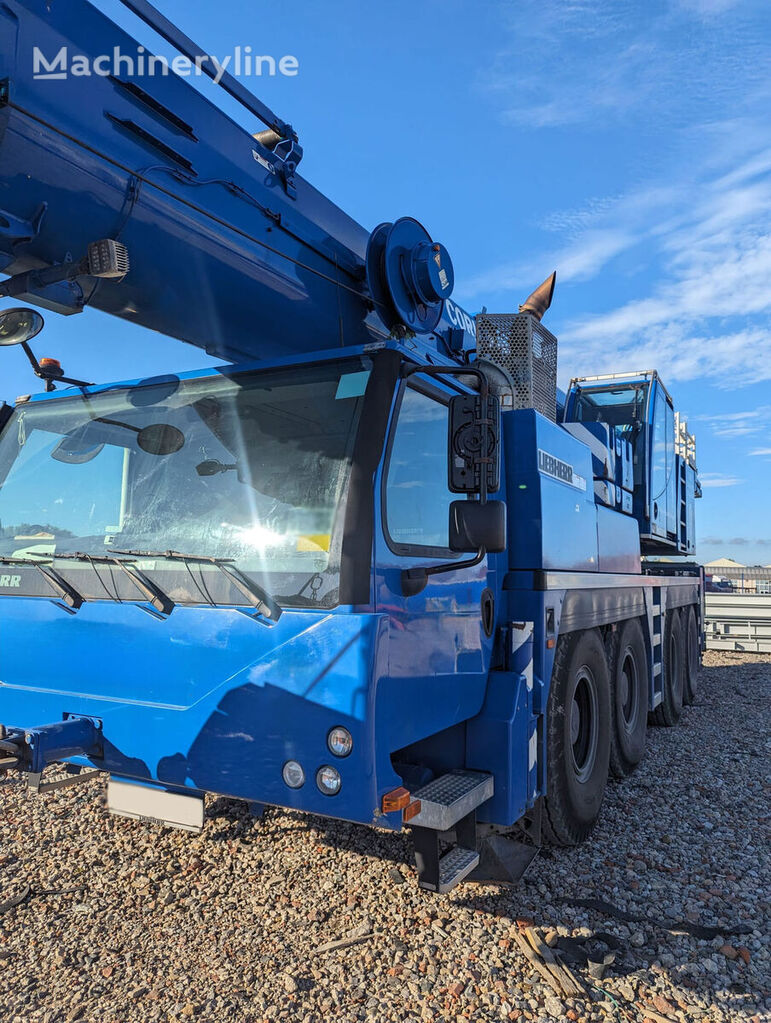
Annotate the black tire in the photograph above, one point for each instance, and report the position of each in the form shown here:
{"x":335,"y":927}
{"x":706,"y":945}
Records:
{"x":673,"y":673}
{"x":692,"y":656}
{"x":628,"y":699}
{"x":577,"y":738}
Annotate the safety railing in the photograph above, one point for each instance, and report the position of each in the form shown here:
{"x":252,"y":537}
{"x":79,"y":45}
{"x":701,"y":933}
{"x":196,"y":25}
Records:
{"x":735,"y":621}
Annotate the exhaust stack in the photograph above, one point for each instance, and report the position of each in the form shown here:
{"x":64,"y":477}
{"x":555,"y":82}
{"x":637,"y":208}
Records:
{"x":519,"y":344}
{"x":540,"y":300}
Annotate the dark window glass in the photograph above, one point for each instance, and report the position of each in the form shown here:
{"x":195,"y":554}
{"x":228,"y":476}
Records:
{"x":417,"y":497}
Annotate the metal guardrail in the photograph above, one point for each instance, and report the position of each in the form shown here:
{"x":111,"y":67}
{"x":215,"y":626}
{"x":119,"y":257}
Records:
{"x":735,"y":621}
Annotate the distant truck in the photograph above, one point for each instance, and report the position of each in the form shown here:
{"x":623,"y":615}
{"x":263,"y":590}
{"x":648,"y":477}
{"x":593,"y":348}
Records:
{"x":713,"y":584}
{"x":376,"y":567}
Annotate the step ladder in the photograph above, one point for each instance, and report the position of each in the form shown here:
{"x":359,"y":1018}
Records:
{"x":657,"y":660}
{"x":444,"y":832}
{"x":683,"y":507}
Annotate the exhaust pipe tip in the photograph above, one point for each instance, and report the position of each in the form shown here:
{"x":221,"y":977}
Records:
{"x":539,"y":301}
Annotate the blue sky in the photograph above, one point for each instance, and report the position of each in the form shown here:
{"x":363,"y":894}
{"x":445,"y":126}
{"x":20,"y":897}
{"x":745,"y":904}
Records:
{"x":627,"y":145}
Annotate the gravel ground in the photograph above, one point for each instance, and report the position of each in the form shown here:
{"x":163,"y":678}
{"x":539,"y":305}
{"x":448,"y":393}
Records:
{"x":228,"y":925}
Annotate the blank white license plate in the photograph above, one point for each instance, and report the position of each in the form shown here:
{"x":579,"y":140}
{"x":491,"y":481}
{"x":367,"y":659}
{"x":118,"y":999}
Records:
{"x":155,"y":806}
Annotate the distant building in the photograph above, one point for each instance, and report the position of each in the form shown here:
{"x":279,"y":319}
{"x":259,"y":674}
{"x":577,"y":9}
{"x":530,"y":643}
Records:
{"x":728,"y":575}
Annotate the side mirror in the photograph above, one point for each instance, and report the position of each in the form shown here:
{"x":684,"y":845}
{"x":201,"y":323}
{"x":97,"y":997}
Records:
{"x":17,"y":326}
{"x":474,"y":444}
{"x":474,"y":525}
{"x":76,"y":448}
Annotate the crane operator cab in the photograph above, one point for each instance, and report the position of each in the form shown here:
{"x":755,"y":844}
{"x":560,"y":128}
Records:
{"x":637,"y":410}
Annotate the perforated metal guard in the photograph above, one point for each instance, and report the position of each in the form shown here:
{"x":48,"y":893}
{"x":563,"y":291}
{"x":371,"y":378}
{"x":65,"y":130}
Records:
{"x":520,"y":344}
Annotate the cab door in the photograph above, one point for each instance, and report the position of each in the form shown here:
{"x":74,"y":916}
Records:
{"x":663,"y":494}
{"x":439,"y":649}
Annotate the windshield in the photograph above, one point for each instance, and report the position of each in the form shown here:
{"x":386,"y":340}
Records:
{"x":617,"y":406}
{"x":621,"y":407}
{"x":251,"y":467}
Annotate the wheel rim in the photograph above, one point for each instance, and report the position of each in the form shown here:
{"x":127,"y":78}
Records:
{"x":627,"y":691}
{"x":583,"y":725}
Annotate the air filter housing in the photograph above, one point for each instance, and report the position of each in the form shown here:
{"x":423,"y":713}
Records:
{"x":520,"y":344}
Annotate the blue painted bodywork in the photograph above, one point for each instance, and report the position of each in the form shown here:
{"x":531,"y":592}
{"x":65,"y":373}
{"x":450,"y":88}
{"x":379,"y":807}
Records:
{"x":209,"y":699}
{"x":552,"y":522}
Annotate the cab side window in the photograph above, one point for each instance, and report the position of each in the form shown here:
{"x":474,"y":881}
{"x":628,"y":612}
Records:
{"x":416,"y":495}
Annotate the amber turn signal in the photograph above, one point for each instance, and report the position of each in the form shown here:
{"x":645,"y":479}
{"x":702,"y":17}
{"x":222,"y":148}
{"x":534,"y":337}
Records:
{"x":396,"y":799}
{"x":411,"y":811}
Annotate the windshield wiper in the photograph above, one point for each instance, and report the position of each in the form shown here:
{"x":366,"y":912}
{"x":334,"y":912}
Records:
{"x":161,"y":601}
{"x":258,"y":597}
{"x":66,"y":591}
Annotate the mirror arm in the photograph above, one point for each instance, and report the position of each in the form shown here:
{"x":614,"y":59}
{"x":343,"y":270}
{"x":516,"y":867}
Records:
{"x":50,"y":378}
{"x":414,"y":580}
{"x":459,"y":371}
{"x":31,"y":356}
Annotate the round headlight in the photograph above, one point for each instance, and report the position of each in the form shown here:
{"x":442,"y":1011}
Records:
{"x":293,"y":774}
{"x":328,"y":780}
{"x":340,"y":742}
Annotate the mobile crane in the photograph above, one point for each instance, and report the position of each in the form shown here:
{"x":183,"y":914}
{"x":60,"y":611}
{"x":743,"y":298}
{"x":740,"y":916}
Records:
{"x":377,"y":566}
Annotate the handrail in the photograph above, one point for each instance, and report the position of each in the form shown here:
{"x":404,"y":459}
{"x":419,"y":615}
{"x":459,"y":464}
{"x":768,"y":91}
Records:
{"x":168,"y":31}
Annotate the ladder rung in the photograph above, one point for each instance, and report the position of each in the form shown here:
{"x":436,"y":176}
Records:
{"x":454,"y":866}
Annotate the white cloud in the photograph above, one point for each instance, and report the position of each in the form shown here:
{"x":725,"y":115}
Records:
{"x":571,"y":223}
{"x":594,"y":62}
{"x":708,"y":8}
{"x":716,"y":479}
{"x":577,"y":262}
{"x":739,"y":424}
{"x":717,"y":264}
{"x":726,"y":360}
{"x":708,"y":243}
{"x":699,"y":234}
{"x":761,"y":451}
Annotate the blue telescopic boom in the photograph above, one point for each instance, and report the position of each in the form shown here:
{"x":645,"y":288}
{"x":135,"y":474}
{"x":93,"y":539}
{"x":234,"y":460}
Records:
{"x":231,"y":250}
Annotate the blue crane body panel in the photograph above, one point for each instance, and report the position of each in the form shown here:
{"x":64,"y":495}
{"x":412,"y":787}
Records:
{"x":345,"y":573}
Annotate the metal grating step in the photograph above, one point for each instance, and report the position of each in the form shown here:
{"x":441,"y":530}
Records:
{"x":447,"y":799}
{"x":454,"y":866}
